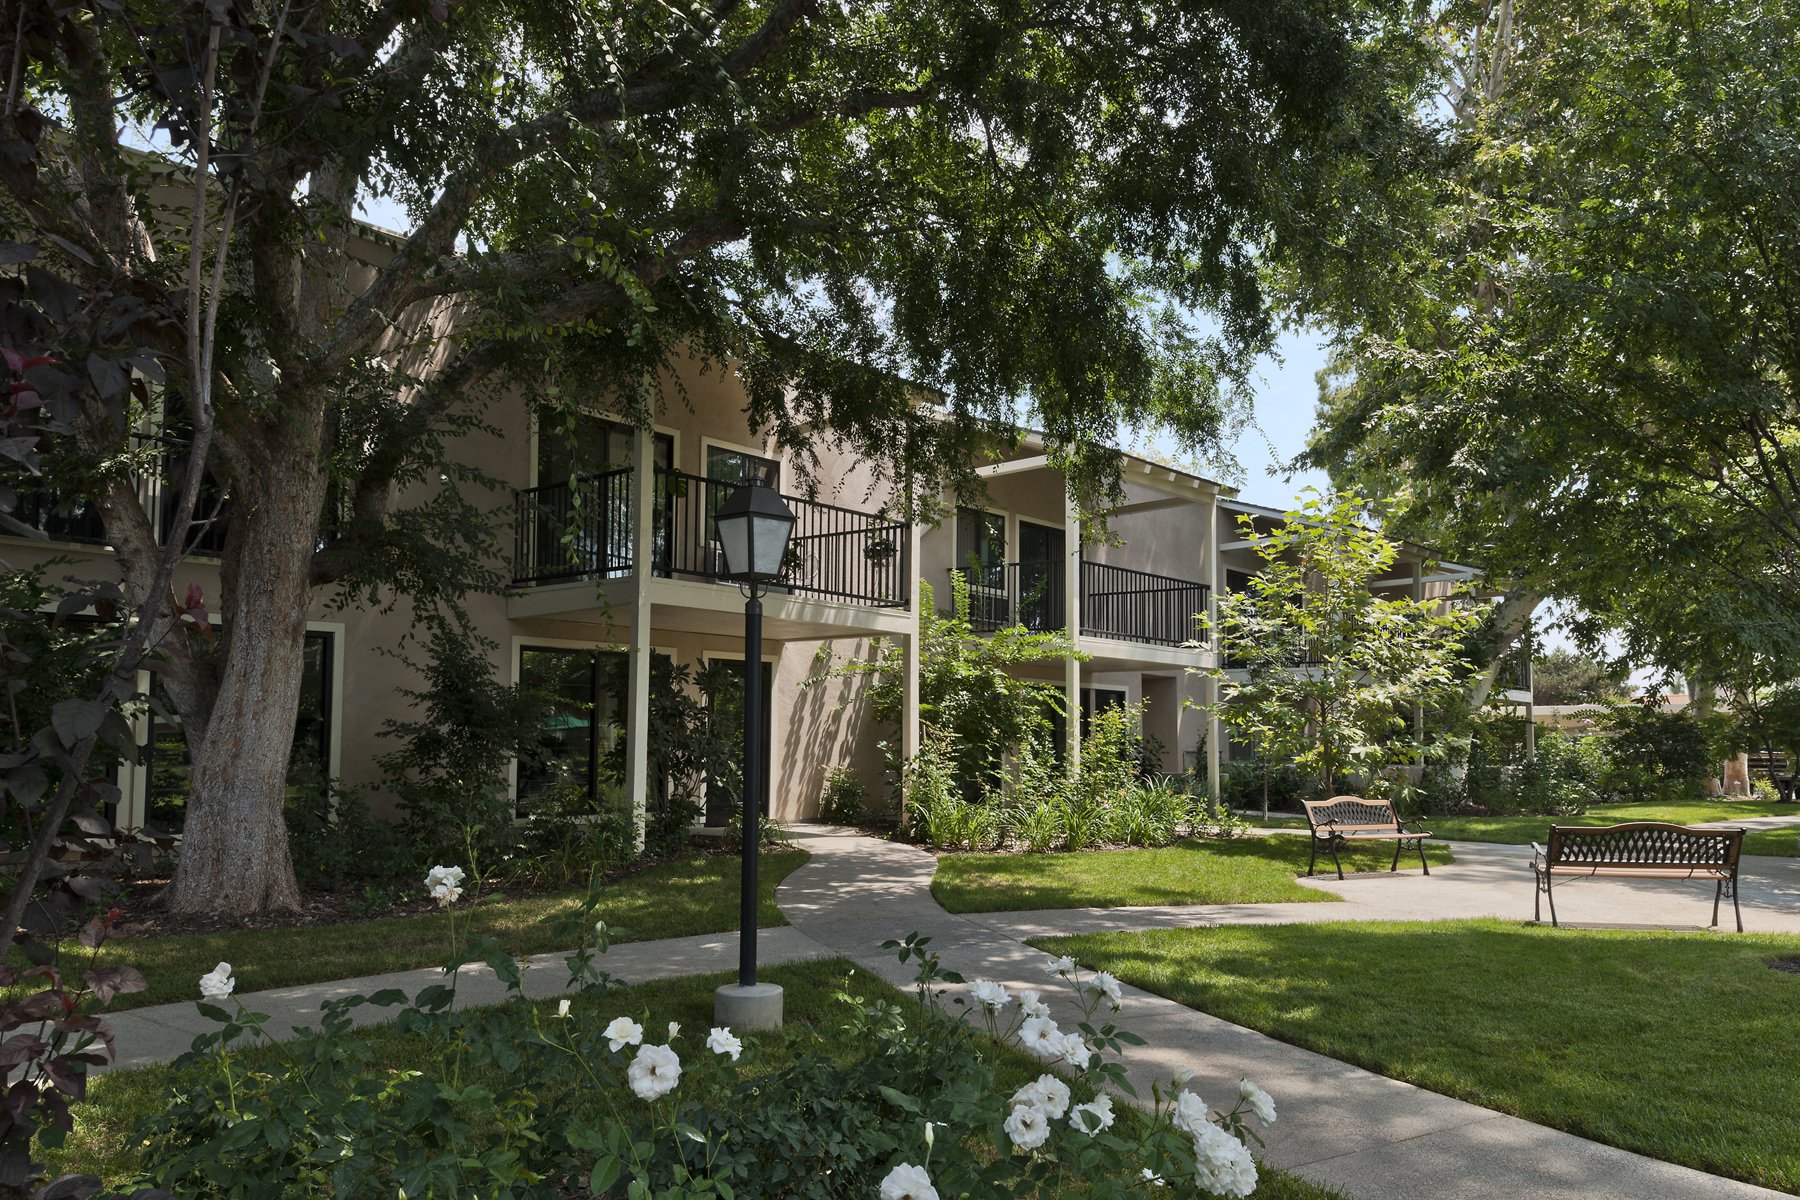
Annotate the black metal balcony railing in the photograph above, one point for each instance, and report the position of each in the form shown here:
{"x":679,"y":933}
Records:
{"x":68,"y":515}
{"x":1515,"y":673}
{"x":1116,"y":602}
{"x":1137,"y":606}
{"x":584,"y":529}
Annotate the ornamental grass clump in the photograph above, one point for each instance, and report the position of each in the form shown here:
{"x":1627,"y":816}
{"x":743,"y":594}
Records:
{"x":547,"y":1101}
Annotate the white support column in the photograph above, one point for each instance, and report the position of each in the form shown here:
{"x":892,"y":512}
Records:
{"x":909,"y":716}
{"x":1530,"y":731}
{"x":1212,"y":572}
{"x":1418,"y":593}
{"x":1072,"y":609}
{"x":637,"y":719}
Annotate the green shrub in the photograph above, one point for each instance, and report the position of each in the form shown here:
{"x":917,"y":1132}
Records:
{"x":1241,"y":785}
{"x":569,"y":833}
{"x":450,"y":771}
{"x":845,"y":800}
{"x":1151,"y":813}
{"x":520,"y":1101}
{"x":1035,"y":823}
{"x":1654,"y":755}
{"x":936,"y":812}
{"x":1562,"y":779}
{"x":332,"y":838}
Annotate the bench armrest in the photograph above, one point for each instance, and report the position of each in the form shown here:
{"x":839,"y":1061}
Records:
{"x":1539,"y":857}
{"x":1324,"y":826}
{"x":1417,"y":826}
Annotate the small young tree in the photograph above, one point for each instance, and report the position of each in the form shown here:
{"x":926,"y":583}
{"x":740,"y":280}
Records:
{"x":1323,"y":670}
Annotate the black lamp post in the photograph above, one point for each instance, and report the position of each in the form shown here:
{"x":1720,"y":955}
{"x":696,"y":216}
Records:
{"x":754,"y":526}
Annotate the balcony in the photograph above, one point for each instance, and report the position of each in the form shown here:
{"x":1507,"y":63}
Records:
{"x":67,"y":515}
{"x":1119,"y":603}
{"x":584,"y":529}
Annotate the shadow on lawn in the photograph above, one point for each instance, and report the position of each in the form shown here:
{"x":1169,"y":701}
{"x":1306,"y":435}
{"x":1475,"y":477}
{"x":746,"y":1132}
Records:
{"x":1672,"y":1045}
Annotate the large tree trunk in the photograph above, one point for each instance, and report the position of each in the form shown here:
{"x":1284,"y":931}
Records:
{"x":234,"y":853}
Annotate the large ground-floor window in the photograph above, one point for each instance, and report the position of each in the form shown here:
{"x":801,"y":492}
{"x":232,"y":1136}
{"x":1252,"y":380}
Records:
{"x":167,"y":771}
{"x":582,"y":743}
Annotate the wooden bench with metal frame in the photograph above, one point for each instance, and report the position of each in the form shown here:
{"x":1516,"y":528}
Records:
{"x":1344,"y":819}
{"x":1639,"y":850}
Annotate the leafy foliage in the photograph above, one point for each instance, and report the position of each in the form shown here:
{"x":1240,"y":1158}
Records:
{"x":1653,"y":754}
{"x":1567,"y":676}
{"x":969,"y":691}
{"x":1325,"y":671}
{"x":1005,"y":210}
{"x":1583,"y":376}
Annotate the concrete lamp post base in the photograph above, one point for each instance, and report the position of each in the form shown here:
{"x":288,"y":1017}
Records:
{"x":753,"y":1009}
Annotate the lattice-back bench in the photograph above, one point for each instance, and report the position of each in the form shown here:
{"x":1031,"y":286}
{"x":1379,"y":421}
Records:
{"x":1344,"y":819}
{"x":1639,"y":850}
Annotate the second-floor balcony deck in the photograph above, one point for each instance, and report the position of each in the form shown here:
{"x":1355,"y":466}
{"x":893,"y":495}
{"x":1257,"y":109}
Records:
{"x":157,"y":462}
{"x":585,"y":528}
{"x":1117,"y":603}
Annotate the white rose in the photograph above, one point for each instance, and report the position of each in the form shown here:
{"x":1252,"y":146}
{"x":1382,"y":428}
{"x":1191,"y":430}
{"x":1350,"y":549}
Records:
{"x":1107,"y":986}
{"x":674,"y":1030}
{"x":217,"y":983}
{"x":562,"y":1007}
{"x":1028,"y":1127}
{"x":1222,"y":1165}
{"x":623,"y":1032}
{"x":654,"y":1072}
{"x":1031,"y":1005}
{"x":1153,"y":1179}
{"x":1046,"y":1092}
{"x":990,"y":995}
{"x":1190,"y":1113}
{"x":1041,"y":1037}
{"x":1075,"y":1051}
{"x":1182,"y":1076}
{"x":1092,"y":1117}
{"x":907,"y":1182}
{"x":444,"y":884}
{"x":1261,"y":1103}
{"x":1061,"y":966}
{"x":723,"y":1041}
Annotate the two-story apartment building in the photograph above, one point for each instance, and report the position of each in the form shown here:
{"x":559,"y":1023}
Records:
{"x":613,"y":560}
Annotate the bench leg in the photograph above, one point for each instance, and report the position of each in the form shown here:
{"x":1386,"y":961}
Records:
{"x":1398,"y":846}
{"x":1335,"y":861}
{"x":1718,"y":890}
{"x":1313,"y":860}
{"x":1734,"y":904}
{"x":1550,"y":895}
{"x":1537,"y":897}
{"x":1421,"y":845}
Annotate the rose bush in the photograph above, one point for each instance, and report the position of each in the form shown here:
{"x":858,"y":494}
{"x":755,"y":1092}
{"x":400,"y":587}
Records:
{"x":536,"y":1101}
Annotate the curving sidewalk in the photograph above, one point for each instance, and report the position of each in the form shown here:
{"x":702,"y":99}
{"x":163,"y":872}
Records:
{"x":1367,"y":1136}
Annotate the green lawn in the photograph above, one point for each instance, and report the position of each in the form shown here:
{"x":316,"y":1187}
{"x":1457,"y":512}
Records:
{"x":1249,"y":870}
{"x":673,"y":899}
{"x":1678,"y":1046}
{"x":102,"y":1145}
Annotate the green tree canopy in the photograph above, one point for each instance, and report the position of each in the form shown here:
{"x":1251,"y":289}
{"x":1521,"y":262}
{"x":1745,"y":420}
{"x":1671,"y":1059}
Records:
{"x":1584,"y":376}
{"x":1016,"y":208}
{"x":1566,"y":676}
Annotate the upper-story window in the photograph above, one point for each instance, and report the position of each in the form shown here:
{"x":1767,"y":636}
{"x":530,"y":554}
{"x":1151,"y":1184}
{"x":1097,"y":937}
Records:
{"x":981,"y":547}
{"x":726,"y":465}
{"x":591,"y":446}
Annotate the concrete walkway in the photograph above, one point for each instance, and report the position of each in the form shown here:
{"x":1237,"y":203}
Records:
{"x":1488,"y":879}
{"x":1367,"y":1136}
{"x":146,"y":1036}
